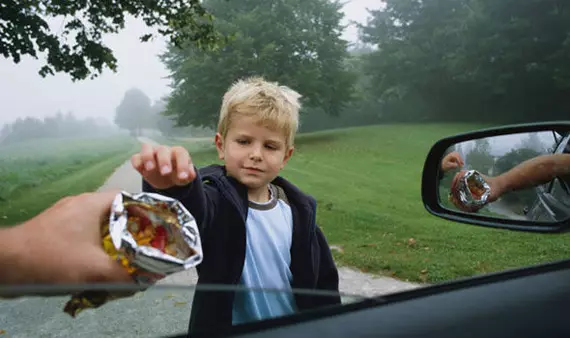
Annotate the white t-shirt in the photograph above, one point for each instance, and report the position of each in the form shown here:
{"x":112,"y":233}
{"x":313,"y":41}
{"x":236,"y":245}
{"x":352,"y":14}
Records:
{"x":269,"y":233}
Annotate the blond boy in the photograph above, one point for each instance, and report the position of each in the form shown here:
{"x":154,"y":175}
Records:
{"x":258,"y":229}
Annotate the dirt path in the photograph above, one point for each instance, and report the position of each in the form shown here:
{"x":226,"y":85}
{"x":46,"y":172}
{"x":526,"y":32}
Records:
{"x":153,"y":313}
{"x":125,"y":177}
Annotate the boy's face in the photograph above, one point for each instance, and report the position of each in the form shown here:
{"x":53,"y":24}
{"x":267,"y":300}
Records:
{"x":253,"y":154}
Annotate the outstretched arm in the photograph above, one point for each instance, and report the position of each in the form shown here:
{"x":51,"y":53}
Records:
{"x":530,"y":173}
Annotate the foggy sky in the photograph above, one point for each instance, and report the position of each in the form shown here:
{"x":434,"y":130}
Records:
{"x":23,"y":92}
{"x":500,"y":145}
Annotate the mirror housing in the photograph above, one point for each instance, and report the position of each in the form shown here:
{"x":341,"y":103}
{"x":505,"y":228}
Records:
{"x":435,"y":203}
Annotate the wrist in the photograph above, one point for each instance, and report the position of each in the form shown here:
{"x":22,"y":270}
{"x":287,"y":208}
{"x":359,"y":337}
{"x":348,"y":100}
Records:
{"x":498,"y":187}
{"x":14,"y":258}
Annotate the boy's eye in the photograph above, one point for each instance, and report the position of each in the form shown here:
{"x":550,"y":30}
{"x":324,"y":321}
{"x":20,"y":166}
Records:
{"x":241,"y":141}
{"x":272,"y":146}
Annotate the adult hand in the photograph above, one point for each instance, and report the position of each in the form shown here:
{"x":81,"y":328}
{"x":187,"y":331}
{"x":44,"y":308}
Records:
{"x":495,"y":186}
{"x":61,"y":245}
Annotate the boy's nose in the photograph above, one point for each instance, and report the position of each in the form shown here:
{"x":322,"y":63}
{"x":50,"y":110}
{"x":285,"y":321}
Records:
{"x":255,"y":153}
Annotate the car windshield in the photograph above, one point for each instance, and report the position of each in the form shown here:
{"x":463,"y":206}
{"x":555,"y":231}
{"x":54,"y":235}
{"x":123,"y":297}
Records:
{"x":309,"y":122}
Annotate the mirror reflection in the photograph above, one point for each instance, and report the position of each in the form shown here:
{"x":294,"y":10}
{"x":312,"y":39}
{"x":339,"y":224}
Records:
{"x":523,"y":176}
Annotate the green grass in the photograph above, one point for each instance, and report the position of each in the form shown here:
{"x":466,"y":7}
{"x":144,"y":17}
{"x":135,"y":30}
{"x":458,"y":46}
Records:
{"x":198,"y":145}
{"x":367,"y":182}
{"x":35,"y":175}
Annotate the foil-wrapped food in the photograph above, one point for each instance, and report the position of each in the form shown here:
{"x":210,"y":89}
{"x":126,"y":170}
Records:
{"x":151,"y":236}
{"x":470,"y":191}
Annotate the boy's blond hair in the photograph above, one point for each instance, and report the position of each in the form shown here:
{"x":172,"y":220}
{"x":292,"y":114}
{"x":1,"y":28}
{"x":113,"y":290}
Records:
{"x":274,"y":106}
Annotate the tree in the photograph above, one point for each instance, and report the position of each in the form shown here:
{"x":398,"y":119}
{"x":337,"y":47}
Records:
{"x":294,"y":42}
{"x":167,"y":126}
{"x":514,"y":158}
{"x":5,"y":132}
{"x":509,"y":161}
{"x":26,"y":32}
{"x":480,"y":158}
{"x":471,"y":60}
{"x":162,"y":122}
{"x":533,"y":142}
{"x":134,"y":112}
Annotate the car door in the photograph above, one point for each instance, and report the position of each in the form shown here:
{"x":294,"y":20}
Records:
{"x":553,"y":199}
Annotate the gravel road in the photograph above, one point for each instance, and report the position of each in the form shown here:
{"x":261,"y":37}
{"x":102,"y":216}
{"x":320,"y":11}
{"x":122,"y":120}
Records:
{"x":157,"y":312}
{"x":505,"y":210}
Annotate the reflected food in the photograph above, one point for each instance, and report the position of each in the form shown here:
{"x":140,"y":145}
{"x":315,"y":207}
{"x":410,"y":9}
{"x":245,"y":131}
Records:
{"x":469,"y":191}
{"x":523,"y":176}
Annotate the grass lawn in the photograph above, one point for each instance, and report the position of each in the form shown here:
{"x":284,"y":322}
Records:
{"x":192,"y":144}
{"x":35,"y":175}
{"x":367,"y":182}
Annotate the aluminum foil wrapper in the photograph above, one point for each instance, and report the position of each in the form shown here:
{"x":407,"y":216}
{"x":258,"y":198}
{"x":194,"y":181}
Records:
{"x":472,"y":191}
{"x":151,"y":236}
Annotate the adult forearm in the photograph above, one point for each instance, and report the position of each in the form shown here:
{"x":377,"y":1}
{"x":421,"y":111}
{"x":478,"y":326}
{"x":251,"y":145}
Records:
{"x":533,"y":172}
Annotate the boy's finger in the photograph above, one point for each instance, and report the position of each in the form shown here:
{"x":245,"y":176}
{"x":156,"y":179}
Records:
{"x":147,"y":157}
{"x":182,"y":160}
{"x":164,"y":159}
{"x":137,"y":163}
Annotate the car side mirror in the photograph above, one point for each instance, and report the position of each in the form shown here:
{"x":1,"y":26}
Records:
{"x":513,"y":177}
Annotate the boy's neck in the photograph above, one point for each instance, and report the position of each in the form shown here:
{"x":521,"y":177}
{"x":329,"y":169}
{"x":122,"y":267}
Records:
{"x":259,"y":195}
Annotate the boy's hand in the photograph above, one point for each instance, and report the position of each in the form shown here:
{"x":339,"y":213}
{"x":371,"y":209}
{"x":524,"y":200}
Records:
{"x":164,"y":167}
{"x":452,"y":160}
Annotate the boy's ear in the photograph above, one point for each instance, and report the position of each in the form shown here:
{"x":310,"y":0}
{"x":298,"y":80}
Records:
{"x":288,"y":155}
{"x":219,"y":140}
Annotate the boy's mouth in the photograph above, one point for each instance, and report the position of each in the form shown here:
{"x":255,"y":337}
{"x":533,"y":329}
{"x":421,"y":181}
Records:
{"x":256,"y":170}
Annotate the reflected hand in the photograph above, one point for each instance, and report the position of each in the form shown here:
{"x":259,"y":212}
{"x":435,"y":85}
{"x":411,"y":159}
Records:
{"x":452,"y":160}
{"x":493,"y":182}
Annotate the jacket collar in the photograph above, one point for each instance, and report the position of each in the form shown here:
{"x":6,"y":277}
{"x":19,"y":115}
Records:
{"x":238,"y":195}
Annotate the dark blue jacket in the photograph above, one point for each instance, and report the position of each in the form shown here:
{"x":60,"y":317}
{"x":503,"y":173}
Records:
{"x":220,"y":204}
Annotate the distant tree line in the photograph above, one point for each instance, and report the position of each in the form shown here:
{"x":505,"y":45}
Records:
{"x":57,"y":126}
{"x":136,"y":113}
